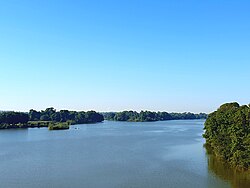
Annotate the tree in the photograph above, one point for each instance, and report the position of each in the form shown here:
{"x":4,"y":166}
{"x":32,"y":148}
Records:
{"x":34,"y":115}
{"x":227,"y":133}
{"x":45,"y":117}
{"x":13,"y":118}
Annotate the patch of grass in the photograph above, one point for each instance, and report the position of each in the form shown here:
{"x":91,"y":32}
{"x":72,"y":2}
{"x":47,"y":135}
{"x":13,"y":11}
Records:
{"x":38,"y":123}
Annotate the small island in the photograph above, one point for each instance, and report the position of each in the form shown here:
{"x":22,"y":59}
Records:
{"x":58,"y":126}
{"x":227,"y":134}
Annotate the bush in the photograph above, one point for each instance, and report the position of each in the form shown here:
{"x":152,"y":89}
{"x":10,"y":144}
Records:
{"x":58,"y":126}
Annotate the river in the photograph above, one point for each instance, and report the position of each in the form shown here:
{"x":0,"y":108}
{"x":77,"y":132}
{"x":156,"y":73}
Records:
{"x":164,"y":154}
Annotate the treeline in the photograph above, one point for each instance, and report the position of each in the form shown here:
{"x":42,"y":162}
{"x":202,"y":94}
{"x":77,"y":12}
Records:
{"x":145,"y":116}
{"x":227,"y":134}
{"x":13,"y":120}
{"x":45,"y":118}
{"x":50,"y":114}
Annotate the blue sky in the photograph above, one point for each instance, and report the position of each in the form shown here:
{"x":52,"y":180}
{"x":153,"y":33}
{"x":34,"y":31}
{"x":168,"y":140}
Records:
{"x":120,"y":55}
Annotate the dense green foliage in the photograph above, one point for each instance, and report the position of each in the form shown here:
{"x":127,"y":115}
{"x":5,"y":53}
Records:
{"x":58,"y":126}
{"x":13,"y":118}
{"x":50,"y":114}
{"x":44,"y":118}
{"x":145,"y":116}
{"x":188,"y":115}
{"x":227,"y":133}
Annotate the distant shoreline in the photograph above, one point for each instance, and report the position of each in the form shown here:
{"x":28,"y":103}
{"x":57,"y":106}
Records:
{"x":57,"y":120}
{"x":148,"y":116}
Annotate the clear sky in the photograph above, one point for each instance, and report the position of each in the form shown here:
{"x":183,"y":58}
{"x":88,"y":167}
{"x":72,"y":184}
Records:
{"x":113,"y":55}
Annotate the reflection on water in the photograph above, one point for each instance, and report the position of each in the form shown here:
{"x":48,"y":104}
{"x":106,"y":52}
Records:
{"x":237,"y":179}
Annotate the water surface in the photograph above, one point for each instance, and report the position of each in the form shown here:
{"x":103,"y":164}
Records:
{"x":166,"y":154}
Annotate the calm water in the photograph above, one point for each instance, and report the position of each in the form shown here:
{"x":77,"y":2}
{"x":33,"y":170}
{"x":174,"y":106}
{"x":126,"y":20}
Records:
{"x":166,"y":154}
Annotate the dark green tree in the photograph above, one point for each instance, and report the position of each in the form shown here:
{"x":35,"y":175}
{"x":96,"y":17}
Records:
{"x":227,"y":134}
